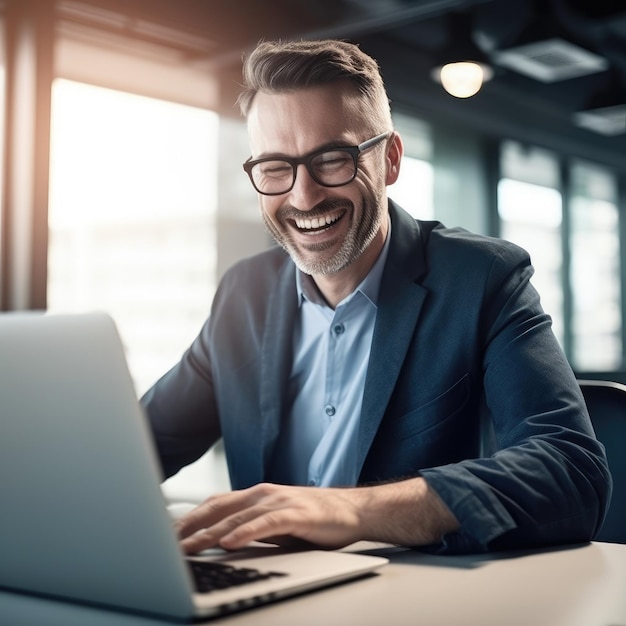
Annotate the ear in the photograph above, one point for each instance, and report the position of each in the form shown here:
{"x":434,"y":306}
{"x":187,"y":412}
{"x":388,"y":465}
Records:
{"x":395,"y":150}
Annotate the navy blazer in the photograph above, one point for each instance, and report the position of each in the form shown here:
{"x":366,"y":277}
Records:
{"x":466,"y":386}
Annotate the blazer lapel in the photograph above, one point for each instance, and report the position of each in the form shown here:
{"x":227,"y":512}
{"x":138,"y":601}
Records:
{"x":400,"y":302}
{"x":276,"y":359}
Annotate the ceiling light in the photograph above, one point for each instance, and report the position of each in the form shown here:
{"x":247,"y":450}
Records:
{"x":462,"y":79}
{"x":463,"y":66}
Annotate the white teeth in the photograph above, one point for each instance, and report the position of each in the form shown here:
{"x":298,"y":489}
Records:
{"x":308,"y":224}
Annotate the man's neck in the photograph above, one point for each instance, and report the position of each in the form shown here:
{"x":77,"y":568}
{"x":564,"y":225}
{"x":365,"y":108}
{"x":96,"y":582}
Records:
{"x":335,"y":287}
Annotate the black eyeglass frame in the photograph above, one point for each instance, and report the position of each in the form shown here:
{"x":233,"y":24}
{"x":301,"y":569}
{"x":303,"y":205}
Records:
{"x":307,"y":159}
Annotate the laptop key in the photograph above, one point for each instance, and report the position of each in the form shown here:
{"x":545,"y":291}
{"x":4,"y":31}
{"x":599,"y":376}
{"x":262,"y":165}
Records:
{"x":210,"y":576}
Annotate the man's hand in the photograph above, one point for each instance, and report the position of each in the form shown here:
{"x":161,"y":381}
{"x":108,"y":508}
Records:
{"x":326,"y":517}
{"x":406,"y":513}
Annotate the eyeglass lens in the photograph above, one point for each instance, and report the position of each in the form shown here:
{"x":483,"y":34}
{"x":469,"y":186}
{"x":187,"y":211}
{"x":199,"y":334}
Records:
{"x":331,"y":168}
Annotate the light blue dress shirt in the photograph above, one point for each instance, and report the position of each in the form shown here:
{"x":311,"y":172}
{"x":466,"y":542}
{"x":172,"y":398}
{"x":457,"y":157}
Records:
{"x":331,"y":354}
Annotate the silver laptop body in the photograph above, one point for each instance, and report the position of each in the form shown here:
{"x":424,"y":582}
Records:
{"x":83,"y":516}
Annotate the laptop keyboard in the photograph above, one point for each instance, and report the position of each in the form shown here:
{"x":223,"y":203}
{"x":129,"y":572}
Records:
{"x":211,"y":576}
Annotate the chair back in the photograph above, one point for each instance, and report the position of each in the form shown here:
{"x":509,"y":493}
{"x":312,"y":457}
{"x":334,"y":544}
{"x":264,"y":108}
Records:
{"x":606,"y":402}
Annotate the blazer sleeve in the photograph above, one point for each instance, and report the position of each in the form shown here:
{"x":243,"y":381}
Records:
{"x":546,"y":479}
{"x":181,"y":408}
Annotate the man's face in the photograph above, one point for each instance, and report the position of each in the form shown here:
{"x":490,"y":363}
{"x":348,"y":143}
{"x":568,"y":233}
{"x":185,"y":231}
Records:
{"x":323,"y":229}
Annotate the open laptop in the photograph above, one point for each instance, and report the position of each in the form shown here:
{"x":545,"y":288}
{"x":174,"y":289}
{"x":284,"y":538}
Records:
{"x":82,"y":515}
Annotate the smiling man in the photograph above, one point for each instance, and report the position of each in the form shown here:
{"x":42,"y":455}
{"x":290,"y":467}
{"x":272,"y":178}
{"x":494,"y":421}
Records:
{"x":333,"y":235}
{"x":374,"y":377}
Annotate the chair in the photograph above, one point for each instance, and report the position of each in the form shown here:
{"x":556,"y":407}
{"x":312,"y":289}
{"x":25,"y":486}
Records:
{"x":606,"y":402}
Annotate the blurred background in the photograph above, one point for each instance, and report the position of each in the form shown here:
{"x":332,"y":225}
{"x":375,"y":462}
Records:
{"x":122,"y":187}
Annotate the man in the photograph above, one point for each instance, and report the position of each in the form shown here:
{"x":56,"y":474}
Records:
{"x":373,"y":377}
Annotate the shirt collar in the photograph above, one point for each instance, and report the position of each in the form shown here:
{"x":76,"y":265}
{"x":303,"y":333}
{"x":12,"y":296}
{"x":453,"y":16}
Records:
{"x":369,"y":286}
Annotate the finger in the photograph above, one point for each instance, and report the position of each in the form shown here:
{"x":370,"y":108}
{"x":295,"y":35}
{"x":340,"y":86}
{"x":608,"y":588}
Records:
{"x":210,"y":512}
{"x":218,"y":507}
{"x":299,"y":521}
{"x":212,"y":536}
{"x":262,"y":525}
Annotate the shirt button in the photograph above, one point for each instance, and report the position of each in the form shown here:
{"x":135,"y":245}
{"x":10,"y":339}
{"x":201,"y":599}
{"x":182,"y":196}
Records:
{"x":330,"y":410}
{"x":339,"y":328}
{"x":312,"y":483}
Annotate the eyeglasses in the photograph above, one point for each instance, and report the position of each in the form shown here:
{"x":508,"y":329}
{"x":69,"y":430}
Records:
{"x":272,"y":176}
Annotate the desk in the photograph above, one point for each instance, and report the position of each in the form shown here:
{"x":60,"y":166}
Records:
{"x":575,"y":586}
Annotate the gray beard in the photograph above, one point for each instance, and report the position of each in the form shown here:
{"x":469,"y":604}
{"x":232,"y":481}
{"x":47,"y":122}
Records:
{"x":352,"y":248}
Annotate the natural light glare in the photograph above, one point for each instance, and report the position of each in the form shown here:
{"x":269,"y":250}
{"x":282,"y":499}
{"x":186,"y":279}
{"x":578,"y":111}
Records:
{"x":120,"y":145}
{"x":413,"y":190}
{"x":531,"y":216}
{"x":594,"y":276}
{"x":530,"y":204}
{"x":132,"y":210}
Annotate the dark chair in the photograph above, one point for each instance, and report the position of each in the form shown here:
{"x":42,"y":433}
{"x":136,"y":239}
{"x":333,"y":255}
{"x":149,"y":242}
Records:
{"x":606,"y":402}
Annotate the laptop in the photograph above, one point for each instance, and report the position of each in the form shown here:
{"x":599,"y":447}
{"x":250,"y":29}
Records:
{"x":82,"y":514}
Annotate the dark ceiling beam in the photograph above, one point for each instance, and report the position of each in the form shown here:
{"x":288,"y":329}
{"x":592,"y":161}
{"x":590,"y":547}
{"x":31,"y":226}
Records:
{"x":374,"y":19}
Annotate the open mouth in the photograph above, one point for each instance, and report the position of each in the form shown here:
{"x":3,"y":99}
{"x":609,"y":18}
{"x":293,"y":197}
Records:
{"x":318,"y":224}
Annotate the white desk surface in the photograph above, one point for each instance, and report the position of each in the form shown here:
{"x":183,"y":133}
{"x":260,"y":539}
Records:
{"x":574,"y":586}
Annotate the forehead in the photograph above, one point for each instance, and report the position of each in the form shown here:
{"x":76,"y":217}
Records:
{"x":302,"y":120}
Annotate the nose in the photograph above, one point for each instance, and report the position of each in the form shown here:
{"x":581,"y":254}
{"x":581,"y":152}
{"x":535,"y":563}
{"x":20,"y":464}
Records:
{"x":305,"y":193}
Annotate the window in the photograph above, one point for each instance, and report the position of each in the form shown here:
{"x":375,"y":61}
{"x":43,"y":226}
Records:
{"x":414,"y":189}
{"x":531,"y":215}
{"x":132,"y":203}
{"x":595,"y":270}
{"x":132,"y":230}
{"x":575,"y":249}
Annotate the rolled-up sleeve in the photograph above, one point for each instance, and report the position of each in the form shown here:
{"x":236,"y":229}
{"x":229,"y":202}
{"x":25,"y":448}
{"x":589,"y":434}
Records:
{"x":546,"y":478}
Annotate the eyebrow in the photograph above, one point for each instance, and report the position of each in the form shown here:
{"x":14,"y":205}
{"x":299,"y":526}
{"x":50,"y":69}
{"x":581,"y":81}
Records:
{"x":337,"y":143}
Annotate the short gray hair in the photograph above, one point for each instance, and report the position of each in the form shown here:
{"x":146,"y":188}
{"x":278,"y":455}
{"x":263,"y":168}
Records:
{"x":276,"y":67}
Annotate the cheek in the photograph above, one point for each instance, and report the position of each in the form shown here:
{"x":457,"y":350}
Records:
{"x":268,"y":208}
{"x":372,"y":176}
{"x":370,"y":185}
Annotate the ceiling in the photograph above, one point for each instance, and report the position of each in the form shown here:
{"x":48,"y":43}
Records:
{"x":537,"y":105}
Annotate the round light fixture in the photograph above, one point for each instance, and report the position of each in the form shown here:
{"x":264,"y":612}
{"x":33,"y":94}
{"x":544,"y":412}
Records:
{"x":464,"y":78}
